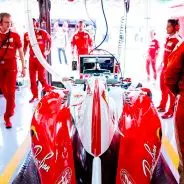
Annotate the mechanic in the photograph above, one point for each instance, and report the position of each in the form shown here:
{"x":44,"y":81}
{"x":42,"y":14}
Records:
{"x":35,"y":67}
{"x":171,"y":43}
{"x":9,"y":43}
{"x":174,"y":79}
{"x":61,"y":39}
{"x":81,"y":40}
{"x":152,"y":56}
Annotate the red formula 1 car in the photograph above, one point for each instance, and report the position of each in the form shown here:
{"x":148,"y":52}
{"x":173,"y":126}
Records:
{"x":97,"y":134}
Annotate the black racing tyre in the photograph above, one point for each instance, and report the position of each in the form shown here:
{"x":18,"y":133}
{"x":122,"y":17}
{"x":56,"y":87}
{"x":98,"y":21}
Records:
{"x":28,"y":174}
{"x":162,"y":173}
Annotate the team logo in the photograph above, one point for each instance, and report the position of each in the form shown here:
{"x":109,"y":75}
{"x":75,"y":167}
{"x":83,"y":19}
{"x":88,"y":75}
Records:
{"x":66,"y":176}
{"x":169,"y":44}
{"x":10,"y":40}
{"x":125,"y":177}
{"x":39,"y":37}
{"x":104,"y":96}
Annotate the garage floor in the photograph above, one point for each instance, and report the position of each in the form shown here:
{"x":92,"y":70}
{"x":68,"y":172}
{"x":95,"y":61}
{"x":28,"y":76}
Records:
{"x":14,"y":143}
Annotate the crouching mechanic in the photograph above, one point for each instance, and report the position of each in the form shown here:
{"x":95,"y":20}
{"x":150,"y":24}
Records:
{"x":171,"y":43}
{"x":9,"y":43}
{"x":174,"y":79}
{"x":35,"y":67}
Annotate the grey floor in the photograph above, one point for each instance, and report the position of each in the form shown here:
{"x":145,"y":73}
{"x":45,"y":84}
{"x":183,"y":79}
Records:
{"x":12,"y":139}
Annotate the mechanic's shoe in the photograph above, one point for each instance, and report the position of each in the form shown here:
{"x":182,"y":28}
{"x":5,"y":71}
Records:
{"x":8,"y":123}
{"x":33,"y":99}
{"x":160,"y":109}
{"x":167,"y":115}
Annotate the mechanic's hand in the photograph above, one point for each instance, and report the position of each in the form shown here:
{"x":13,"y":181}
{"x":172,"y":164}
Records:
{"x":23,"y":72}
{"x":47,"y":52}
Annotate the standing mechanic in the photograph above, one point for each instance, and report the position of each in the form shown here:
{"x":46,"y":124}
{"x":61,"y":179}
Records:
{"x":174,"y":79}
{"x":152,"y":56}
{"x":61,"y":38}
{"x":171,"y":42}
{"x":35,"y":67}
{"x":9,"y":43}
{"x":81,"y":40}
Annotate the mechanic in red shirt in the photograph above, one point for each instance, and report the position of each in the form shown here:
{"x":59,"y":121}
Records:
{"x":171,"y":43}
{"x":81,"y":40}
{"x":174,"y":79}
{"x":35,"y":67}
{"x":152,"y":55}
{"x":9,"y":43}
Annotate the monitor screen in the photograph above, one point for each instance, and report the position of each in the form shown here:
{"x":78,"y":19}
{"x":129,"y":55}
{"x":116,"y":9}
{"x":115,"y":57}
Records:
{"x":96,"y":62}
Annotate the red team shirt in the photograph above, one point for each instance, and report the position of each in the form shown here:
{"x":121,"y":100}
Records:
{"x":14,"y":44}
{"x":153,"y":48}
{"x":82,"y":41}
{"x":42,"y":38}
{"x":170,"y":45}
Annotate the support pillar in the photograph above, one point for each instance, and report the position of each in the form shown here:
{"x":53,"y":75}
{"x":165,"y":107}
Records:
{"x":44,"y":8}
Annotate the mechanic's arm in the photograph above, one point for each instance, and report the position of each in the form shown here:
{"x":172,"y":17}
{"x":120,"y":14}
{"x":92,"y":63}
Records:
{"x":21,"y":55}
{"x":49,"y":43}
{"x":66,"y":41}
{"x":73,"y":44}
{"x":90,"y":40}
{"x":158,"y":49}
{"x":25,"y":44}
{"x":173,"y":71}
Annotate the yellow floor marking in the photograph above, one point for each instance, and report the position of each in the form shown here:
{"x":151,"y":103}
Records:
{"x":10,"y":169}
{"x":173,"y":155}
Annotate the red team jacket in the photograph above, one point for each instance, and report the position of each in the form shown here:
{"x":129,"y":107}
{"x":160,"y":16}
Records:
{"x":82,"y":41}
{"x":174,"y":75}
{"x":153,"y":48}
{"x":42,"y":37}
{"x":170,"y":46}
{"x":13,"y":43}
